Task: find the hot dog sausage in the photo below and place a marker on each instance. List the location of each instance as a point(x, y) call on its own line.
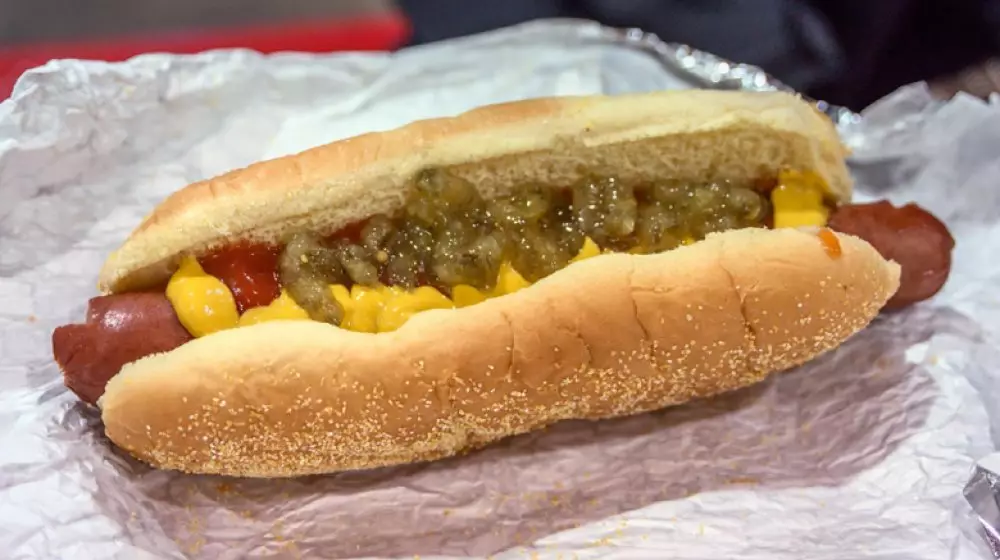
point(120, 329)
point(909, 235)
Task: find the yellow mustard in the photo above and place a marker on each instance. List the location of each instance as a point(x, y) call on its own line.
point(798, 200)
point(589, 249)
point(509, 281)
point(203, 303)
point(282, 309)
point(402, 305)
point(362, 305)
point(464, 295)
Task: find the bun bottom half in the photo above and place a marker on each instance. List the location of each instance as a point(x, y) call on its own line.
point(610, 336)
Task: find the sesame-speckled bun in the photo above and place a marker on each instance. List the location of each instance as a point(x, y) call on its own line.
point(610, 336)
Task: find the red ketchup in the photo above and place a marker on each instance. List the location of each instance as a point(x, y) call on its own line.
point(249, 270)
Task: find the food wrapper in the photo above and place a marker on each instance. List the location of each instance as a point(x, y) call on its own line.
point(863, 453)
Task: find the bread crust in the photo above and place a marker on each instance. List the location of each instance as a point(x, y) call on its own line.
point(694, 135)
point(613, 335)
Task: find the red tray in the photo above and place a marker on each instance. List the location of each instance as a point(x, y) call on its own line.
point(377, 33)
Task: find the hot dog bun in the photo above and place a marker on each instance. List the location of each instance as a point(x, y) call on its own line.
point(686, 135)
point(609, 336)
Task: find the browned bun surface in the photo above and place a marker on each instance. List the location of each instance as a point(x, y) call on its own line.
point(688, 135)
point(613, 335)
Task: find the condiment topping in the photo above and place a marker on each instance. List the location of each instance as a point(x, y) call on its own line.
point(282, 308)
point(203, 303)
point(831, 244)
point(448, 247)
point(250, 272)
point(447, 235)
point(798, 200)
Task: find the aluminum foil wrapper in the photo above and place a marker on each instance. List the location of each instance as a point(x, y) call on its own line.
point(707, 70)
point(861, 454)
point(983, 492)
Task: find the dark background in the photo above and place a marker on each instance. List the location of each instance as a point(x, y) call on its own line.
point(849, 52)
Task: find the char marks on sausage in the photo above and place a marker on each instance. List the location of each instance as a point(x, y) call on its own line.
point(120, 329)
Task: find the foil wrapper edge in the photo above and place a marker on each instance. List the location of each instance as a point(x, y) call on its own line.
point(707, 70)
point(983, 494)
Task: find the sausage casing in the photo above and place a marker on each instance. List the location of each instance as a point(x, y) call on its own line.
point(909, 235)
point(120, 329)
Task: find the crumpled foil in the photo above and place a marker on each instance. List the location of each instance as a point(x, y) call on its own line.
point(983, 493)
point(861, 454)
point(707, 70)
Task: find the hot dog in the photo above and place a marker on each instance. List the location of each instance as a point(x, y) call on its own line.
point(910, 236)
point(406, 295)
point(120, 329)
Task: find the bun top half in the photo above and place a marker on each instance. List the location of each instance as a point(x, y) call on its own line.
point(695, 135)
